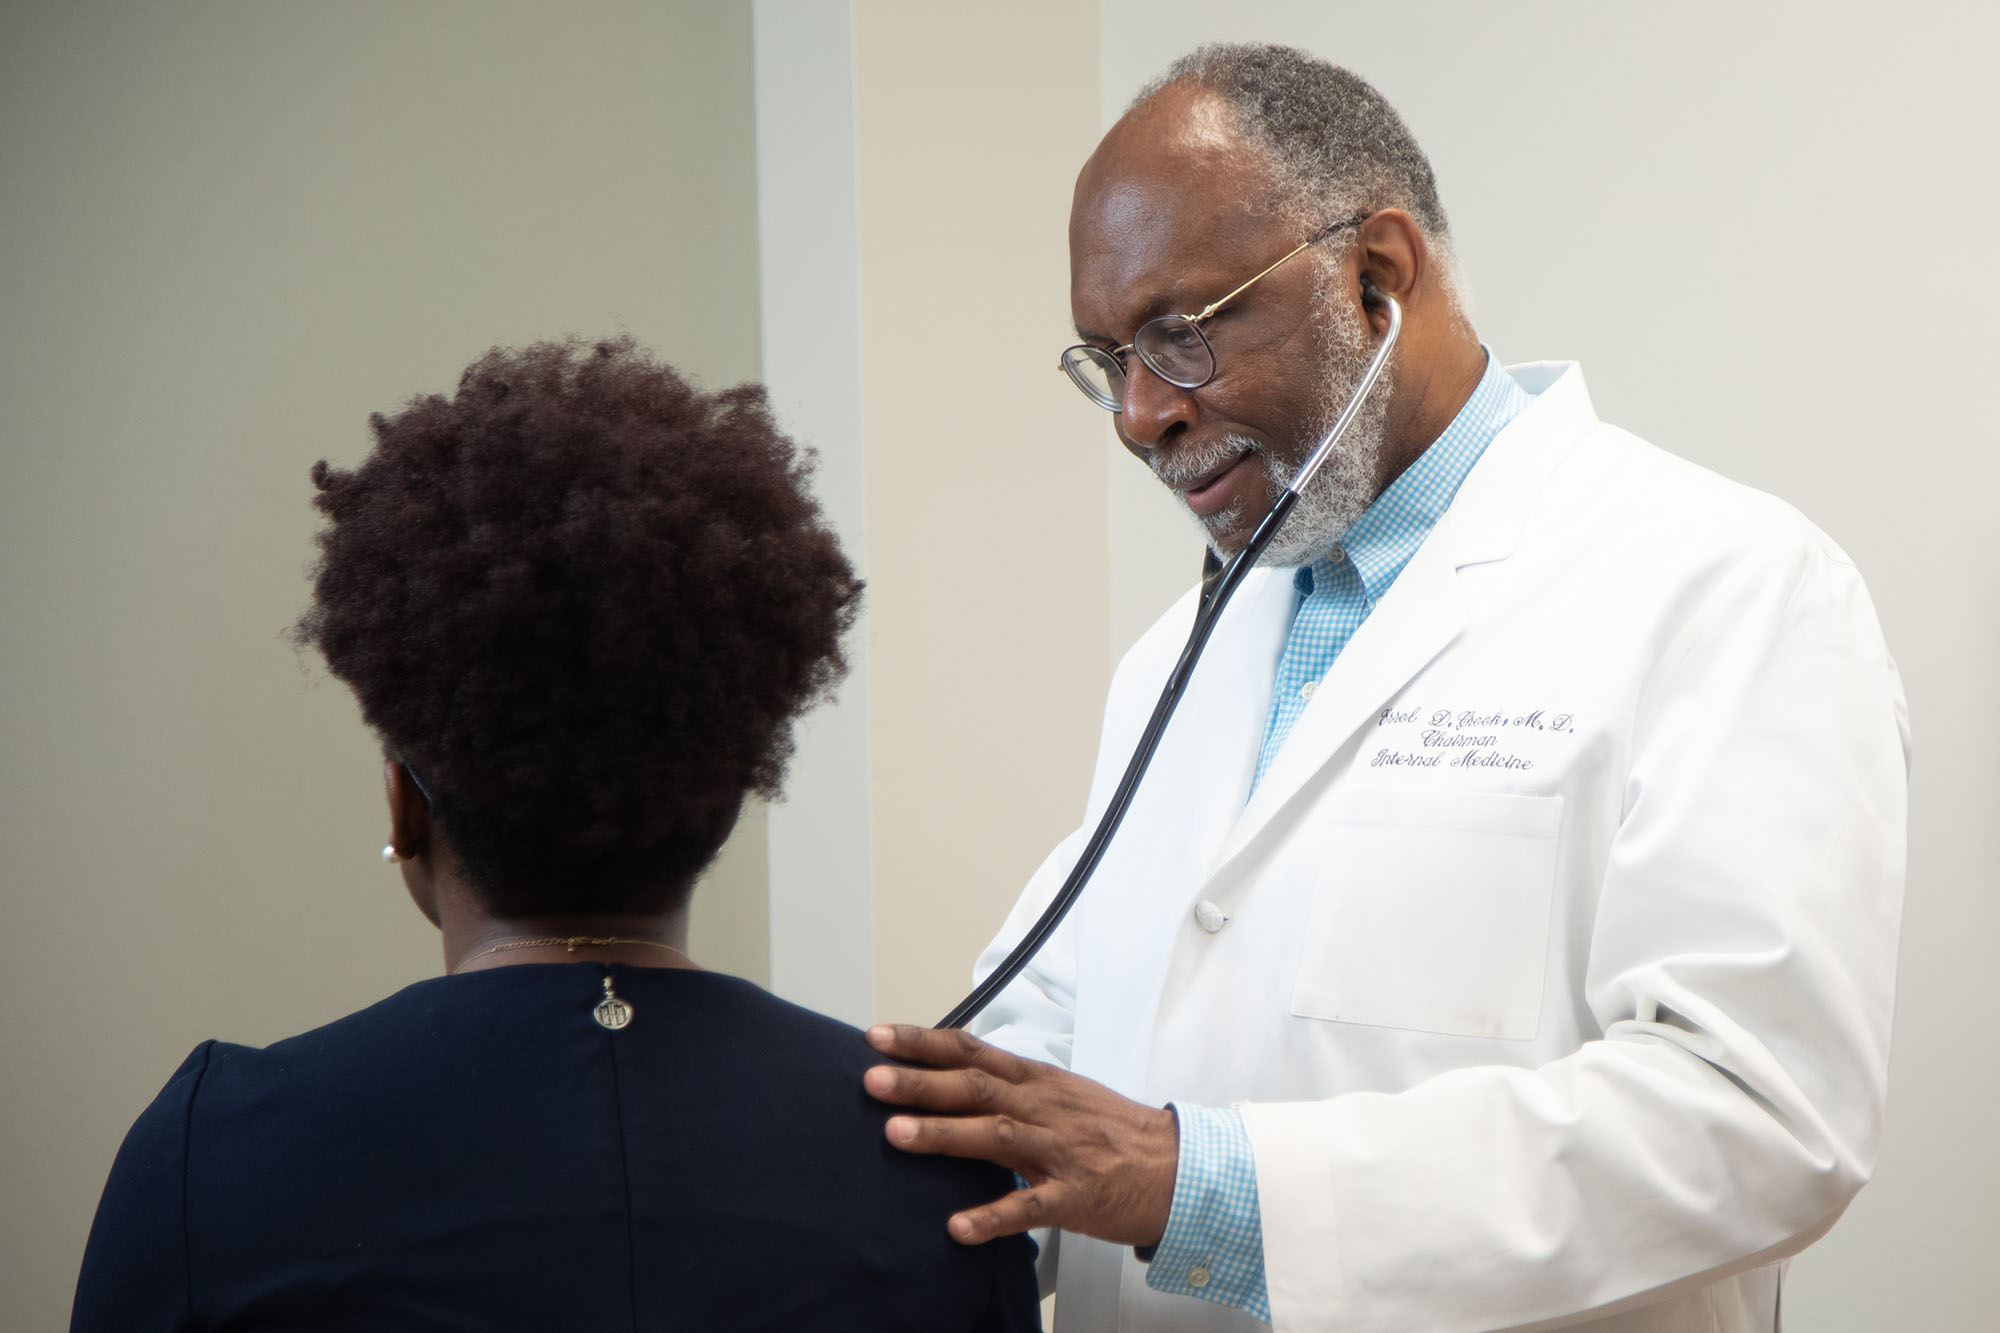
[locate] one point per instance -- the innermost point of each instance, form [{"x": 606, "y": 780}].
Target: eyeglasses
[{"x": 1172, "y": 346}]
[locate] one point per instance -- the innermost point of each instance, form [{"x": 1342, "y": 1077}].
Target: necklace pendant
[{"x": 612, "y": 1012}]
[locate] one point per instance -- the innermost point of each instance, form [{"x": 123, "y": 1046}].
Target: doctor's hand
[{"x": 1095, "y": 1162}]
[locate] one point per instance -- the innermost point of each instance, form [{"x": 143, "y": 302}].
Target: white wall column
[{"x": 820, "y": 854}]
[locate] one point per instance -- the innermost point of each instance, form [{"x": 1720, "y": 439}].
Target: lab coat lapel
[
  {"x": 1421, "y": 613},
  {"x": 1425, "y": 609},
  {"x": 1233, "y": 686},
  {"x": 1184, "y": 810}
]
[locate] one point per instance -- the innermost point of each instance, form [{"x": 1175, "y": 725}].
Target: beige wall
[
  {"x": 985, "y": 538},
  {"x": 229, "y": 231},
  {"x": 914, "y": 165}
]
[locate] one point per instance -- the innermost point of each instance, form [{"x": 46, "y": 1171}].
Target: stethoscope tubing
[{"x": 1219, "y": 584}]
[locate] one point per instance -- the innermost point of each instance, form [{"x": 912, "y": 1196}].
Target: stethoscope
[{"x": 1219, "y": 583}]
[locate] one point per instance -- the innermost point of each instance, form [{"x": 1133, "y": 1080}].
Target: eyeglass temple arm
[
  {"x": 1222, "y": 301},
  {"x": 1311, "y": 240}
]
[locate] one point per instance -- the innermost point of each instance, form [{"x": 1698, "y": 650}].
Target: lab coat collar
[{"x": 1424, "y": 610}]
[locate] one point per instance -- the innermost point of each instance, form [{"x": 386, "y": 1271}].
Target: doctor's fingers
[
  {"x": 1023, "y": 1210},
  {"x": 1126, "y": 1206},
  {"x": 940, "y": 1089},
  {"x": 945, "y": 1048},
  {"x": 1000, "y": 1139}
]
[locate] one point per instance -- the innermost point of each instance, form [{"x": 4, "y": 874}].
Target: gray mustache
[{"x": 1183, "y": 468}]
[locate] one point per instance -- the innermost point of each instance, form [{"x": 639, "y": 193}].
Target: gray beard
[{"x": 1344, "y": 486}]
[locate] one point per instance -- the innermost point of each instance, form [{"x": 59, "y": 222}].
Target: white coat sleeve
[
  {"x": 1741, "y": 973},
  {"x": 1035, "y": 1016}
]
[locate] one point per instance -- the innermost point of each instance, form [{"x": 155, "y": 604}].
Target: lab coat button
[
  {"x": 1197, "y": 1276},
  {"x": 1210, "y": 916}
]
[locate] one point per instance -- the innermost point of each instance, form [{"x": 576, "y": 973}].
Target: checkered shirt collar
[{"x": 1391, "y": 529}]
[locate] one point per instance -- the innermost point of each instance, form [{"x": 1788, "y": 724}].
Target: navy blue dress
[{"x": 477, "y": 1153}]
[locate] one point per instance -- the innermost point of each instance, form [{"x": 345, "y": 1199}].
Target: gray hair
[{"x": 1335, "y": 146}]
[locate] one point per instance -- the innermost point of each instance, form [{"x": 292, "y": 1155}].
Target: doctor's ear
[{"x": 1390, "y": 259}]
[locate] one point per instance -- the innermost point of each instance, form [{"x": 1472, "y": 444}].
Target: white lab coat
[{"x": 1552, "y": 961}]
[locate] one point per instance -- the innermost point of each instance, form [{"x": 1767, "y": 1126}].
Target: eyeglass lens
[
  {"x": 1172, "y": 348},
  {"x": 1097, "y": 373}
]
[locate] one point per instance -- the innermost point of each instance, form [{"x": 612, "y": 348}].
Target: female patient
[{"x": 580, "y": 603}]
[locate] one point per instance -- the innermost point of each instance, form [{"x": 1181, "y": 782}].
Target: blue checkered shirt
[{"x": 1214, "y": 1245}]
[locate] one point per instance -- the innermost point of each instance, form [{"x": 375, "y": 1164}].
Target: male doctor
[{"x": 1505, "y": 934}]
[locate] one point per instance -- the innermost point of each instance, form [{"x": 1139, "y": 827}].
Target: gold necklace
[
  {"x": 572, "y": 943},
  {"x": 613, "y": 1011}
]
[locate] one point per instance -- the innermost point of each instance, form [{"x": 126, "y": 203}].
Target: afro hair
[{"x": 583, "y": 602}]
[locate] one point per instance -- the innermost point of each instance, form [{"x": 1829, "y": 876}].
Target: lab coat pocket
[{"x": 1430, "y": 911}]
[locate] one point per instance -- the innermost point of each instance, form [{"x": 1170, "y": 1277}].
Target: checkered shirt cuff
[{"x": 1214, "y": 1246}]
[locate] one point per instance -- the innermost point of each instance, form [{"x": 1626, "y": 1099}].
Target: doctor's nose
[{"x": 1153, "y": 413}]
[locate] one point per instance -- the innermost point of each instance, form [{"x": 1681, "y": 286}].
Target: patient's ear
[
  {"x": 409, "y": 811},
  {"x": 410, "y": 839}
]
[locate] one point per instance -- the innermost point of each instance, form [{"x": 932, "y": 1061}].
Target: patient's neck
[{"x": 475, "y": 939}]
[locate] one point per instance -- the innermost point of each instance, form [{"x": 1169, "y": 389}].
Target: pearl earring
[{"x": 391, "y": 855}]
